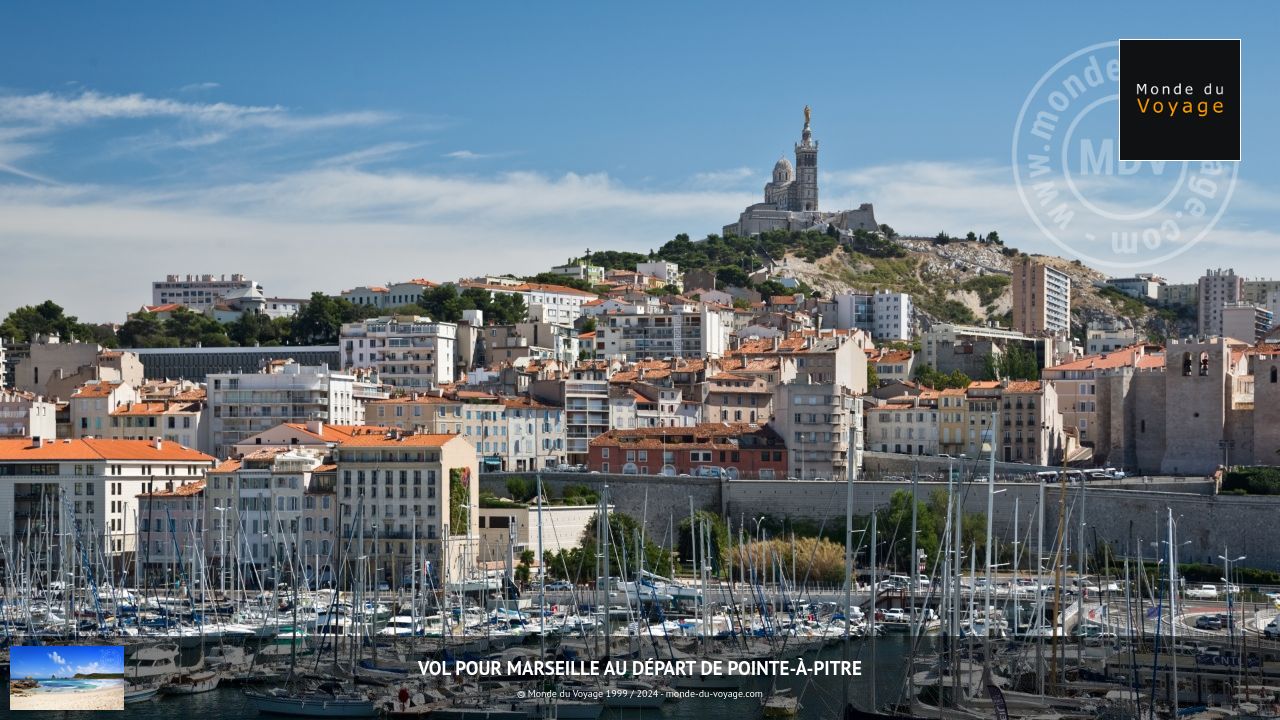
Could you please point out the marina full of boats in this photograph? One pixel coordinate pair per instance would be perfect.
(962, 639)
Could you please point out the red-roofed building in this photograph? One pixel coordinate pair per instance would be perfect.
(94, 482)
(740, 450)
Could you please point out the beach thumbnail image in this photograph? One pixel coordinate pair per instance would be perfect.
(66, 677)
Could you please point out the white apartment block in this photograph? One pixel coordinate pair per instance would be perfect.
(24, 414)
(255, 511)
(667, 272)
(508, 433)
(891, 313)
(1101, 338)
(245, 404)
(198, 292)
(88, 484)
(691, 330)
(405, 351)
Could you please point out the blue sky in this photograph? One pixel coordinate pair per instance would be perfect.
(65, 661)
(324, 146)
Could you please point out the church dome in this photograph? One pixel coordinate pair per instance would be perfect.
(782, 171)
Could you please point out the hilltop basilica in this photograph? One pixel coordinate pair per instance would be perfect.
(791, 198)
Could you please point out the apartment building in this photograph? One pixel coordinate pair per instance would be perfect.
(690, 330)
(907, 424)
(737, 398)
(732, 450)
(92, 485)
(819, 356)
(242, 405)
(393, 487)
(171, 535)
(24, 414)
(1215, 290)
(255, 515)
(584, 394)
(817, 421)
(1245, 321)
(1041, 298)
(1030, 427)
(405, 351)
(391, 295)
(55, 369)
(508, 433)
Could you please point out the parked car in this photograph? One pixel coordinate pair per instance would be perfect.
(1208, 622)
(559, 585)
(1272, 630)
(895, 615)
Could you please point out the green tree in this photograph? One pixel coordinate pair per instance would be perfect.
(894, 527)
(320, 321)
(189, 328)
(141, 330)
(47, 318)
(873, 377)
(521, 488)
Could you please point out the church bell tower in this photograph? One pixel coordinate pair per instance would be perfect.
(806, 183)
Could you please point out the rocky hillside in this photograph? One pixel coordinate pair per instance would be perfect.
(968, 282)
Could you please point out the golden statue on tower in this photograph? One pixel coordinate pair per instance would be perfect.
(806, 114)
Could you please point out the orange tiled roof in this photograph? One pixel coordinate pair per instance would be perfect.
(98, 449)
(183, 490)
(340, 433)
(397, 440)
(1124, 357)
(153, 408)
(227, 466)
(95, 390)
(166, 307)
(1023, 386)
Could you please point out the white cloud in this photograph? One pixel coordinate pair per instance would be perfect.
(57, 659)
(50, 110)
(197, 87)
(93, 667)
(733, 179)
(365, 156)
(468, 155)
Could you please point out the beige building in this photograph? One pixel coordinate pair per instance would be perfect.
(738, 398)
(55, 369)
(1041, 298)
(817, 422)
(1030, 424)
(1077, 384)
(393, 486)
(1215, 289)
